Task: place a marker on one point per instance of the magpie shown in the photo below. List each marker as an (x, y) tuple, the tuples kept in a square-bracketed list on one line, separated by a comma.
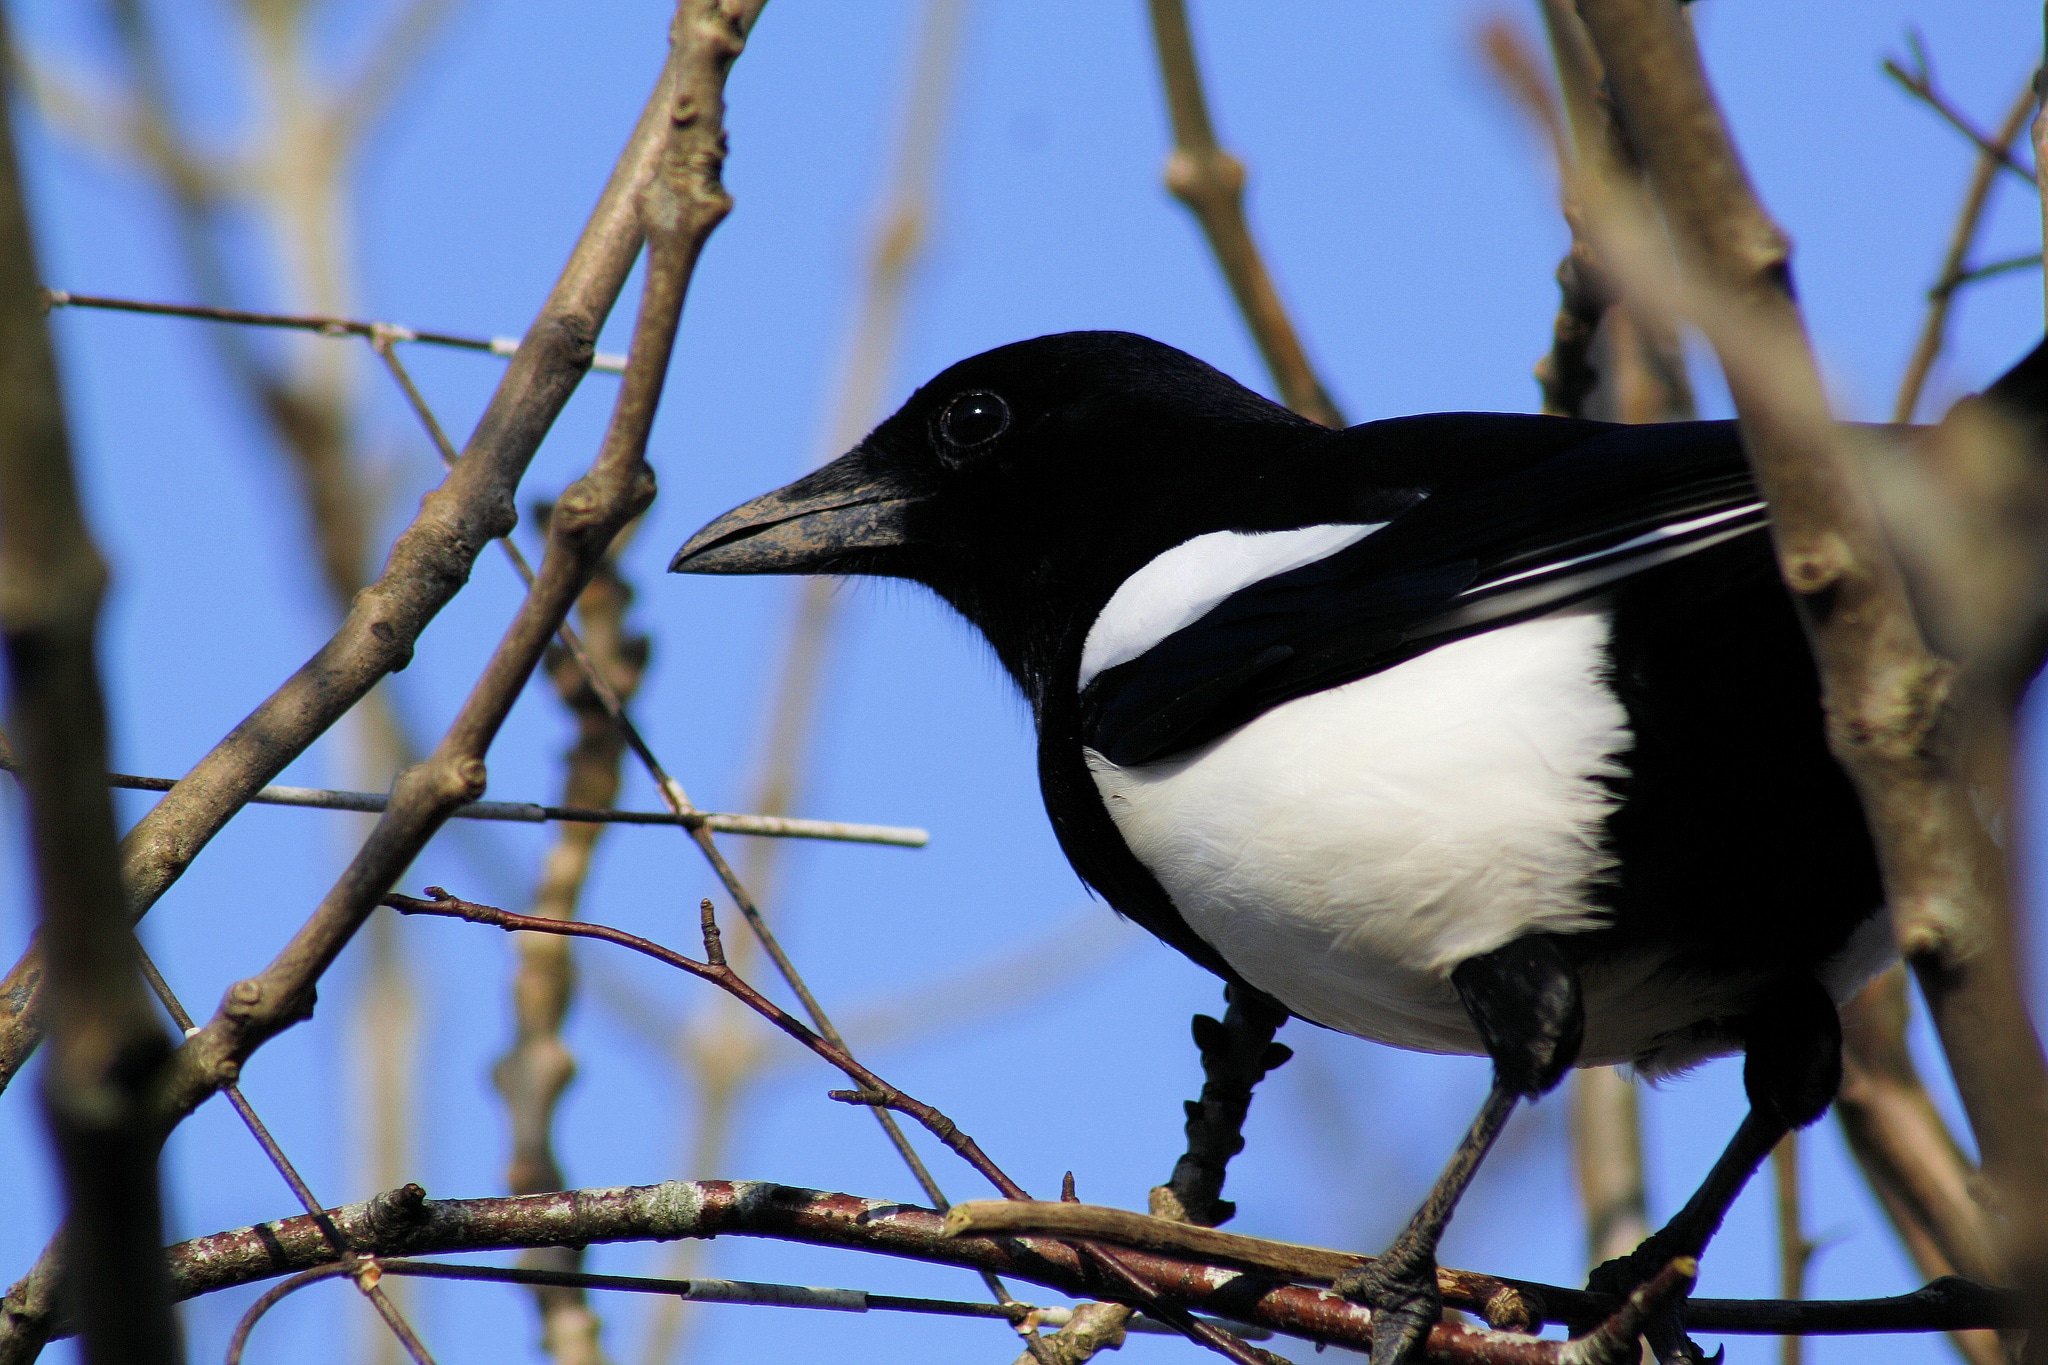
[(1467, 733)]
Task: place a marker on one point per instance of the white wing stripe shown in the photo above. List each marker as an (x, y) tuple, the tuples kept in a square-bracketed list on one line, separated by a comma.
[(1181, 586), (1657, 537)]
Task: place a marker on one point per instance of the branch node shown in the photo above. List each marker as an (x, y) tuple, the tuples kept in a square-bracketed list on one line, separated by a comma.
[(714, 947), (869, 1097)]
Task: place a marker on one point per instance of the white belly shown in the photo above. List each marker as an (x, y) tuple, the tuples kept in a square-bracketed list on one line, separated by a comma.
[(1344, 851)]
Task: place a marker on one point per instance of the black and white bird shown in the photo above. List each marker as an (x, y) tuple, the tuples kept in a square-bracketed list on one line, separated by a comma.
[(1468, 733)]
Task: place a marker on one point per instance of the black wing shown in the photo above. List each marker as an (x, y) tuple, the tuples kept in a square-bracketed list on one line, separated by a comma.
[(1463, 560)]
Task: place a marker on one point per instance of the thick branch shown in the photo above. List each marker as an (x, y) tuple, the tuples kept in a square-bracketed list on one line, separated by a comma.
[(405, 1223), (1887, 698), (1907, 1153), (668, 179), (108, 1048), (428, 565)]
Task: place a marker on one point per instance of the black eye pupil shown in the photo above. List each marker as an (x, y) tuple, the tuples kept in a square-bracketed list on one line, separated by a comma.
[(973, 419)]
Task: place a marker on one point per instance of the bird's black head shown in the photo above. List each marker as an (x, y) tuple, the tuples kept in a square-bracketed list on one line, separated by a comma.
[(1024, 484)]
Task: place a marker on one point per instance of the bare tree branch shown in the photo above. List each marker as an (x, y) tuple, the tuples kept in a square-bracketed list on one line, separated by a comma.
[(1919, 83), (1955, 271), (1794, 1250), (1888, 699), (1607, 1158), (1924, 1182), (108, 1051), (538, 1067), (405, 1223), (428, 565), (1210, 181), (1610, 358), (721, 1044)]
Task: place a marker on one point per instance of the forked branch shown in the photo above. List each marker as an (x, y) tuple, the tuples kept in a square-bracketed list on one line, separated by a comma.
[(428, 565)]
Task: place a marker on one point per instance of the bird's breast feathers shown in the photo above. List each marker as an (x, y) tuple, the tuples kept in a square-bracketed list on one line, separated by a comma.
[(1344, 850)]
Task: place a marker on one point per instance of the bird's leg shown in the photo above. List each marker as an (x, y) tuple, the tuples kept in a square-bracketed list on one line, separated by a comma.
[(1792, 1070), (1524, 1000), (1400, 1285)]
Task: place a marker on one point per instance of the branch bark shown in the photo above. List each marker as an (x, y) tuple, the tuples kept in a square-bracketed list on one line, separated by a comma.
[(1237, 1051), (1891, 704), (667, 184), (1927, 1187), (108, 1049), (1210, 181), (405, 1223), (538, 1067), (428, 565)]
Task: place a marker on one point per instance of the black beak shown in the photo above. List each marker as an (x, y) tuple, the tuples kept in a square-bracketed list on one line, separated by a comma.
[(819, 524)]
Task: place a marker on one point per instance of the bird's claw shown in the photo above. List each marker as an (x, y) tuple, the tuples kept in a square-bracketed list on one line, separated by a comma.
[(1402, 1293), (1665, 1330)]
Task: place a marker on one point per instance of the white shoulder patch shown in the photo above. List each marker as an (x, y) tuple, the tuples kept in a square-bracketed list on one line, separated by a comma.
[(1181, 586)]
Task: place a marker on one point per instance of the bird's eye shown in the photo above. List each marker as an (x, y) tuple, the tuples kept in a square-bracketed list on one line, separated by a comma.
[(973, 419)]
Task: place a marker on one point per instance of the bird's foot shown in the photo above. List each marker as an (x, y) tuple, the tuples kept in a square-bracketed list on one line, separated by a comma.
[(1400, 1288), (1665, 1329)]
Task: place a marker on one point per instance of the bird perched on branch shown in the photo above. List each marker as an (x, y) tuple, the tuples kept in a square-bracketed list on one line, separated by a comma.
[(1467, 733)]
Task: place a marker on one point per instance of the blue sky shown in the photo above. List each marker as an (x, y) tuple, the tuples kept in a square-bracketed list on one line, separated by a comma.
[(1411, 224)]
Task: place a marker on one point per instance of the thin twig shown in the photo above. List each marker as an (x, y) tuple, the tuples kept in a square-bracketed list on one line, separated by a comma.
[(532, 813), (1794, 1250), (538, 1066), (313, 322), (1954, 272), (757, 1294), (1920, 85), (428, 564), (869, 1089), (1210, 181)]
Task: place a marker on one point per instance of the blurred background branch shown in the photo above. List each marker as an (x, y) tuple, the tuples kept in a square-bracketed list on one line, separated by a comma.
[(1210, 181), (538, 1067)]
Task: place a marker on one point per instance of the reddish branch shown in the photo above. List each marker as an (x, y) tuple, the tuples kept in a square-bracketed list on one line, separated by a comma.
[(871, 1089), (405, 1223)]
